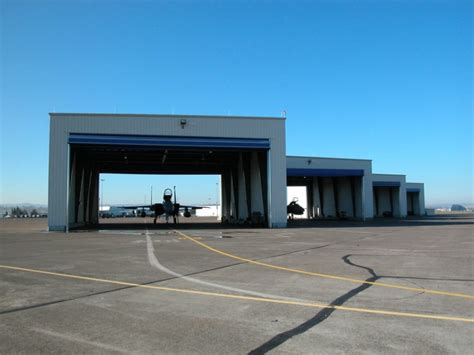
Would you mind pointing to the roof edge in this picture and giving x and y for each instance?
(388, 174)
(90, 114)
(329, 158)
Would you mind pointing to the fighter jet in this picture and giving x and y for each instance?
(294, 209)
(168, 207)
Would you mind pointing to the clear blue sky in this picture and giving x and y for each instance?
(385, 80)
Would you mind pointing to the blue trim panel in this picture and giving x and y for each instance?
(166, 141)
(414, 189)
(386, 184)
(324, 172)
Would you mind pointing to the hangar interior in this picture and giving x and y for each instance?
(415, 199)
(413, 202)
(386, 199)
(241, 163)
(330, 195)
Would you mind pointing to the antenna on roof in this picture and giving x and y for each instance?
(283, 113)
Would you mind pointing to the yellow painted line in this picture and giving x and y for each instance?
(245, 298)
(327, 276)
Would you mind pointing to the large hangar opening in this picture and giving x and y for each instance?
(413, 202)
(330, 194)
(386, 199)
(241, 163)
(128, 198)
(336, 188)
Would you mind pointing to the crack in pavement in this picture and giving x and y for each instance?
(320, 316)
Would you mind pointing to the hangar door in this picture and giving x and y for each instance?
(386, 198)
(413, 202)
(331, 193)
(241, 163)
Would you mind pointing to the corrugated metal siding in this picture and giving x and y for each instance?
(202, 126)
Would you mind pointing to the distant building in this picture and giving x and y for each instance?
(209, 211)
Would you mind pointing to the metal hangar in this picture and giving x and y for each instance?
(247, 152)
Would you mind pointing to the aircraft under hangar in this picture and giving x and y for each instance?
(248, 153)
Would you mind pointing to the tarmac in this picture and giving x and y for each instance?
(128, 286)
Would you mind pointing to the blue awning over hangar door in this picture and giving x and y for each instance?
(324, 172)
(386, 184)
(168, 141)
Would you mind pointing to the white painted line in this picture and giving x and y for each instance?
(152, 259)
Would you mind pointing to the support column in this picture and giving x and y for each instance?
(256, 193)
(89, 196)
(329, 207)
(263, 162)
(242, 191)
(72, 206)
(233, 201)
(344, 196)
(402, 200)
(383, 200)
(316, 200)
(395, 195)
(358, 193)
(226, 188)
(309, 198)
(376, 202)
(81, 201)
(415, 203)
(94, 216)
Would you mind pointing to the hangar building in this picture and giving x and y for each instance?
(248, 153)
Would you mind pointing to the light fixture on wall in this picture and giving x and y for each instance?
(182, 123)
